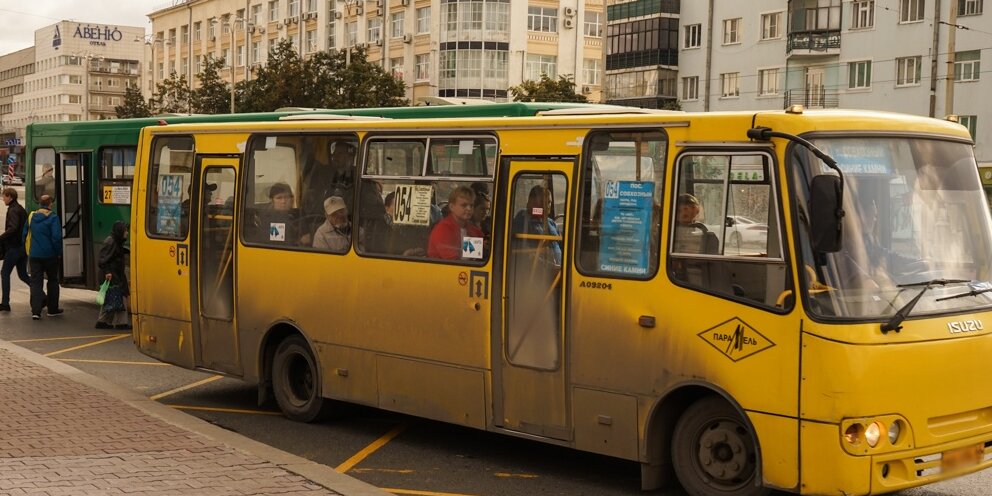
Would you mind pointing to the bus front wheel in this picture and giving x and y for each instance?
(295, 381)
(714, 451)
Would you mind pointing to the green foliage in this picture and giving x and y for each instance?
(671, 105)
(280, 83)
(171, 96)
(214, 94)
(547, 90)
(134, 105)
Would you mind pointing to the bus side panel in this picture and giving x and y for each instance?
(439, 392)
(779, 437)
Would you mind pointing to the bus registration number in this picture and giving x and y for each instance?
(964, 457)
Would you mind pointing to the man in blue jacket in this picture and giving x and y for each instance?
(43, 244)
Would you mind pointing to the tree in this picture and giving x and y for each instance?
(134, 104)
(171, 96)
(214, 94)
(343, 80)
(547, 90)
(280, 83)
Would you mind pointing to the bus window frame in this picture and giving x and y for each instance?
(786, 250)
(362, 178)
(110, 181)
(152, 185)
(581, 198)
(34, 179)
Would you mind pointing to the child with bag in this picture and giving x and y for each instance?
(113, 307)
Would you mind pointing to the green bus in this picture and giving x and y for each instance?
(88, 167)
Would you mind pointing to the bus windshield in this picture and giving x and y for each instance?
(914, 212)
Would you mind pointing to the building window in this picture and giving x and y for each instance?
(396, 24)
(863, 14)
(859, 74)
(184, 30)
(497, 16)
(541, 64)
(908, 71)
(591, 71)
(424, 20)
(256, 14)
(226, 56)
(768, 82)
(311, 41)
(471, 14)
(375, 29)
(593, 25)
(273, 10)
(730, 85)
(690, 88)
(211, 29)
(731, 31)
(693, 36)
(543, 19)
(255, 49)
(396, 67)
(911, 10)
(967, 65)
(332, 30)
(422, 69)
(185, 65)
(312, 6)
(969, 7)
(294, 8)
(172, 36)
(771, 26)
(196, 31)
(970, 122)
(351, 30)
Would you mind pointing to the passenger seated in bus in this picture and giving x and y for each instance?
(335, 233)
(486, 224)
(208, 196)
(45, 185)
(390, 204)
(372, 217)
(692, 236)
(538, 218)
(278, 221)
(447, 237)
(480, 215)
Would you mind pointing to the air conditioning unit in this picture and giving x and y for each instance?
(378, 3)
(404, 2)
(251, 29)
(378, 42)
(586, 90)
(337, 14)
(378, 12)
(295, 19)
(280, 26)
(407, 38)
(287, 21)
(568, 23)
(261, 30)
(361, 45)
(213, 38)
(359, 10)
(568, 11)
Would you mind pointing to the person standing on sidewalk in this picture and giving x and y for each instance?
(12, 246)
(113, 312)
(43, 244)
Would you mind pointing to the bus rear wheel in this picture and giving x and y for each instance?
(714, 451)
(295, 381)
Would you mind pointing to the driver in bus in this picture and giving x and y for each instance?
(691, 236)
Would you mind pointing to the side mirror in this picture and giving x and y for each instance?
(729, 222)
(826, 213)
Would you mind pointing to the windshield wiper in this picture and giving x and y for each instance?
(895, 323)
(973, 292)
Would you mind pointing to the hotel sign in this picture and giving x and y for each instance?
(98, 35)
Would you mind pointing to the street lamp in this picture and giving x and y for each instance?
(151, 40)
(233, 62)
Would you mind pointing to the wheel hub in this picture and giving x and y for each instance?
(723, 452)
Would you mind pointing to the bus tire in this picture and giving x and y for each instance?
(714, 451)
(295, 381)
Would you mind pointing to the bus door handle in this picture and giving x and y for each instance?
(646, 321)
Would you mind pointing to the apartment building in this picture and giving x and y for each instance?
(448, 48)
(75, 71)
(642, 54)
(915, 56)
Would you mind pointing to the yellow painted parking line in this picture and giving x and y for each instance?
(39, 340)
(95, 343)
(515, 476)
(404, 471)
(112, 362)
(421, 493)
(368, 450)
(222, 410)
(188, 386)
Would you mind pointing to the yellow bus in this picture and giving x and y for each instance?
(786, 300)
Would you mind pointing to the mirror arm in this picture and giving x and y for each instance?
(766, 134)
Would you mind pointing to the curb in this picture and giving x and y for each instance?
(313, 471)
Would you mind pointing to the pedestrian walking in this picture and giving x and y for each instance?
(12, 247)
(43, 244)
(113, 312)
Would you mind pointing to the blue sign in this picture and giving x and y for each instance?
(170, 190)
(859, 156)
(625, 237)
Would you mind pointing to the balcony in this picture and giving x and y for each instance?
(813, 43)
(812, 98)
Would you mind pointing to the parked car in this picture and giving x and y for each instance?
(14, 180)
(741, 231)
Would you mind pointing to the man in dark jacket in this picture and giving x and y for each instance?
(43, 244)
(13, 248)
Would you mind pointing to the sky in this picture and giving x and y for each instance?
(20, 18)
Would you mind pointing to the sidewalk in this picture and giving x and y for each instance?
(64, 432)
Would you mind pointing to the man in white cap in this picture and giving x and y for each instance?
(335, 233)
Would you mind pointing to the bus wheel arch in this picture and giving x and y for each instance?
(659, 466)
(292, 374)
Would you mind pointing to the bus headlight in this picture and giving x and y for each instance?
(872, 433)
(894, 430)
(854, 433)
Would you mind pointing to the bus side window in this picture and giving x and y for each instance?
(169, 186)
(725, 229)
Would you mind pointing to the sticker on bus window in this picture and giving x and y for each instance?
(413, 204)
(625, 241)
(170, 196)
(471, 248)
(117, 195)
(277, 231)
(465, 147)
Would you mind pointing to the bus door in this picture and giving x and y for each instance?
(213, 243)
(69, 206)
(530, 368)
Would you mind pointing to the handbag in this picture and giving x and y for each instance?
(101, 295)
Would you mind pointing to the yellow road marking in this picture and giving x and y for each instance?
(222, 410)
(382, 470)
(95, 343)
(188, 386)
(515, 476)
(421, 493)
(113, 362)
(38, 340)
(368, 450)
